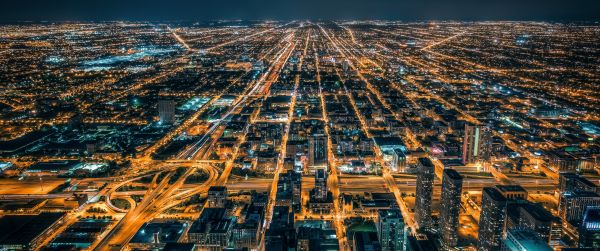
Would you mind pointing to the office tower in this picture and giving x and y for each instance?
(519, 239)
(420, 243)
(390, 230)
(212, 230)
(398, 160)
(491, 223)
(320, 184)
(317, 151)
(281, 234)
(573, 182)
(573, 204)
(425, 175)
(246, 234)
(365, 240)
(321, 200)
(589, 231)
(477, 144)
(289, 188)
(166, 111)
(217, 195)
(533, 216)
(316, 237)
(450, 207)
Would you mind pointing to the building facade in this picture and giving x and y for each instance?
(477, 144)
(450, 207)
(425, 175)
(391, 230)
(166, 111)
(491, 223)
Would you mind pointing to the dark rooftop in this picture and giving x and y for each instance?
(217, 188)
(390, 213)
(453, 174)
(23, 229)
(169, 231)
(494, 193)
(425, 162)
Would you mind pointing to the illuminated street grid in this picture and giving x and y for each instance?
(164, 112)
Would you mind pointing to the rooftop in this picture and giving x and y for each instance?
(453, 174)
(168, 231)
(23, 229)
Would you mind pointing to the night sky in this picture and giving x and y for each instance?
(192, 10)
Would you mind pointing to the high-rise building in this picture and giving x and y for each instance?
(166, 111)
(317, 151)
(280, 234)
(321, 184)
(491, 223)
(217, 196)
(533, 216)
(316, 237)
(425, 175)
(365, 240)
(420, 243)
(589, 231)
(247, 233)
(289, 188)
(573, 182)
(519, 239)
(212, 230)
(321, 200)
(391, 230)
(450, 207)
(573, 204)
(477, 144)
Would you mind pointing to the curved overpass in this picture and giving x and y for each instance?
(164, 196)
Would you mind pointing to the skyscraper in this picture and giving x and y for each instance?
(589, 231)
(420, 242)
(289, 187)
(573, 204)
(317, 151)
(477, 144)
(425, 175)
(491, 223)
(390, 230)
(321, 184)
(573, 182)
(217, 196)
(450, 207)
(533, 216)
(166, 111)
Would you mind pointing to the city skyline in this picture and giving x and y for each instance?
(265, 133)
(407, 10)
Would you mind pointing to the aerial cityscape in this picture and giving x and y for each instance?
(300, 135)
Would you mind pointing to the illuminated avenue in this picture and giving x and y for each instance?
(265, 135)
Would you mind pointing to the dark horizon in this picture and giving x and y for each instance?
(403, 10)
(300, 124)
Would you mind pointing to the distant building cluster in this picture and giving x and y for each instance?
(299, 136)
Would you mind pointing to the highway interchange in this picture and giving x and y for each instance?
(334, 49)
